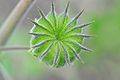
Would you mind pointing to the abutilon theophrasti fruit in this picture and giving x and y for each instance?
(56, 39)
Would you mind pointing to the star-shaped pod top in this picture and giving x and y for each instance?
(56, 39)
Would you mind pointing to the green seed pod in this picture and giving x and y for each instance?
(56, 39)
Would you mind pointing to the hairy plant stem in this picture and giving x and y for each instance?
(14, 48)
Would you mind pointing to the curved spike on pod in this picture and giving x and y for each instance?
(65, 13)
(74, 19)
(42, 14)
(79, 45)
(81, 26)
(39, 44)
(53, 12)
(77, 56)
(82, 35)
(40, 34)
(38, 25)
(46, 51)
(53, 8)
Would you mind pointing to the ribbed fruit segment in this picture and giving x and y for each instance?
(56, 39)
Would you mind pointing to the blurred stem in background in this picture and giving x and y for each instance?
(13, 19)
(9, 25)
(14, 48)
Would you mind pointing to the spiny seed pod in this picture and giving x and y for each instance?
(56, 39)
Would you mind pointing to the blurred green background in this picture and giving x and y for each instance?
(102, 64)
